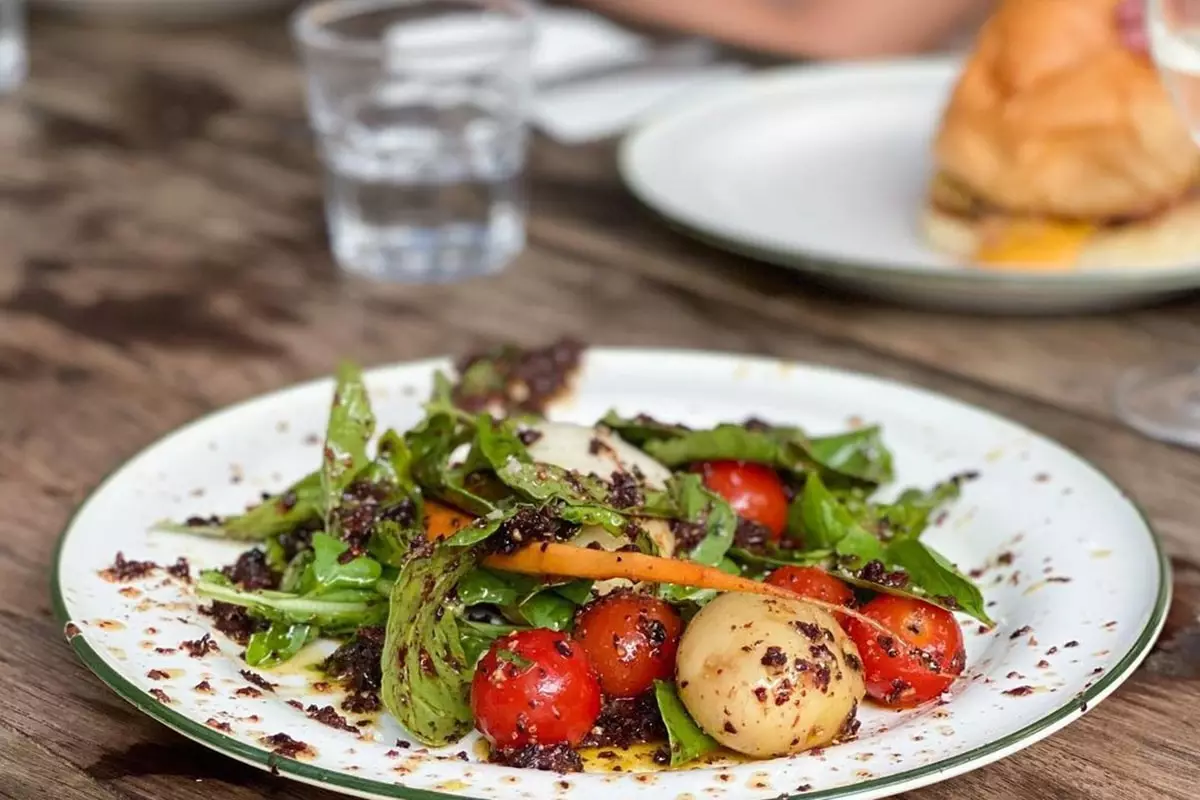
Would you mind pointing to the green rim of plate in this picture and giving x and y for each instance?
(321, 776)
(1147, 281)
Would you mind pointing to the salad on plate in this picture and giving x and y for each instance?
(568, 589)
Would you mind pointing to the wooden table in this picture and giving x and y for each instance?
(162, 254)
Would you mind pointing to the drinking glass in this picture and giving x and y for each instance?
(420, 110)
(12, 44)
(1163, 400)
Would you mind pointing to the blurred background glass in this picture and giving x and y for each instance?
(420, 109)
(12, 44)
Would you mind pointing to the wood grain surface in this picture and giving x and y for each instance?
(162, 254)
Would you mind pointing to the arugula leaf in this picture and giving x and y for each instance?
(578, 591)
(908, 516)
(342, 610)
(297, 572)
(477, 637)
(640, 429)
(329, 574)
(686, 499)
(726, 442)
(688, 741)
(859, 454)
(777, 557)
(484, 586)
(544, 610)
(936, 578)
(431, 444)
(829, 525)
(278, 643)
(426, 673)
(351, 425)
(523, 598)
(299, 504)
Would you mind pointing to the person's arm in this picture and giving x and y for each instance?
(810, 28)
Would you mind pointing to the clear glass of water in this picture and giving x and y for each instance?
(420, 108)
(13, 62)
(1163, 400)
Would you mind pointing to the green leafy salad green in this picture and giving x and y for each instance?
(352, 550)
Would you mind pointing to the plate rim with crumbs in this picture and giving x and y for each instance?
(607, 359)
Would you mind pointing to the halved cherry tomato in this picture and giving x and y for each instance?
(535, 687)
(630, 640)
(816, 583)
(918, 661)
(753, 490)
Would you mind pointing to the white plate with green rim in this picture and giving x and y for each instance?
(1072, 572)
(825, 169)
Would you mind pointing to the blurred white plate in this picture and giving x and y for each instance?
(167, 10)
(825, 170)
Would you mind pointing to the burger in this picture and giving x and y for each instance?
(1060, 148)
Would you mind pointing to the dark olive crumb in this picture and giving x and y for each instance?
(356, 664)
(199, 648)
(624, 722)
(160, 695)
(328, 716)
(203, 686)
(284, 745)
(216, 724)
(516, 379)
(1043, 664)
(251, 571)
(1022, 631)
(258, 680)
(729, 727)
(157, 675)
(233, 621)
(124, 570)
(876, 572)
(1019, 691)
(1071, 643)
(248, 691)
(774, 657)
(180, 569)
(551, 758)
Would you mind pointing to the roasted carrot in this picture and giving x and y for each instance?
(567, 561)
(442, 521)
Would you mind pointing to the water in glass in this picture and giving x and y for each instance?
(12, 44)
(425, 184)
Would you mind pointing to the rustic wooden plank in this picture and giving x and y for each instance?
(162, 253)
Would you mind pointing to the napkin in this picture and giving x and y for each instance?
(594, 79)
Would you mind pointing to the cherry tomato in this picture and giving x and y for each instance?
(753, 490)
(535, 687)
(816, 583)
(630, 640)
(918, 661)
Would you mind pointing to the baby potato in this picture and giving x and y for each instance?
(769, 677)
(599, 451)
